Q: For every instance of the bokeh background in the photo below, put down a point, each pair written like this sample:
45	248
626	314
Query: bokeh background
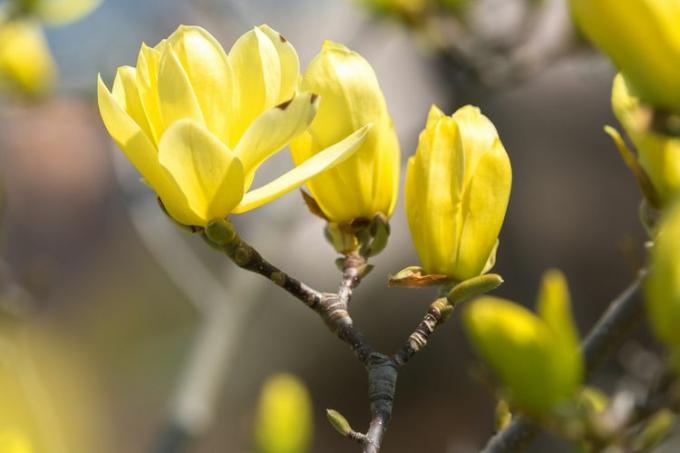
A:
129	302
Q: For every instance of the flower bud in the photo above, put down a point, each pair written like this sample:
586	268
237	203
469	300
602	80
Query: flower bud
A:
284	418
25	60
657	152
642	38
457	191
662	287
367	183
537	358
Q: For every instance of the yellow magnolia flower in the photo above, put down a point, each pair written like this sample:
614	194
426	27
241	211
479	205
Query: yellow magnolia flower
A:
61	12
457	191
25	60
284	417
662	287
366	184
642	38
658	154
197	123
537	358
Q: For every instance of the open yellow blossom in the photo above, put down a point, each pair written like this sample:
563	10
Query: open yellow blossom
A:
642	37
457	191
366	184
25	60
197	123
537	358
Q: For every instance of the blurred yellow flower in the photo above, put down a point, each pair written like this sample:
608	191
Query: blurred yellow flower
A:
49	400
658	154
14	441
642	37
366	184
537	358
197	123
662	288
61	12
284	417
457	191
25	60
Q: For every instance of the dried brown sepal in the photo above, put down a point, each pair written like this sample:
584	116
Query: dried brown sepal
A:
312	205
415	277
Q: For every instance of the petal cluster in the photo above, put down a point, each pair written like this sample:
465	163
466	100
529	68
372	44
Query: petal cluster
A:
642	38
537	358
367	183
457	191
197	122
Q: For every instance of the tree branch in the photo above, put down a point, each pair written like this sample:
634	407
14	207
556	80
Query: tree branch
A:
621	317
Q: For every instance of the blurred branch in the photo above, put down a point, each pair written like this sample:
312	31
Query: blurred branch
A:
622	316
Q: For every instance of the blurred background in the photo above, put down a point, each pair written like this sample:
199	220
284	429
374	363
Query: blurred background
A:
129	322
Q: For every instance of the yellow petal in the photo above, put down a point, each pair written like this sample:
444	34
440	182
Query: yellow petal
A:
206	170
274	129
643	40
176	95
207	67
433	197
148	63
125	84
140	151
290	63
662	288
554	307
60	12
485	201
296	177
257	74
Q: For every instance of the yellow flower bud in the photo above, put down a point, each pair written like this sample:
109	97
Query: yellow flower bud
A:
642	38
284	418
457	191
197	123
61	12
657	153
537	358
662	288
25	60
367	183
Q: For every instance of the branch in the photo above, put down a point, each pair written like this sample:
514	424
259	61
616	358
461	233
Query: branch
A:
622	316
333	309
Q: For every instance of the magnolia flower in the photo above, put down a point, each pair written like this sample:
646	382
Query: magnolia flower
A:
26	63
642	37
25	60
537	358
457	191
197	123
662	287
657	153
367	183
